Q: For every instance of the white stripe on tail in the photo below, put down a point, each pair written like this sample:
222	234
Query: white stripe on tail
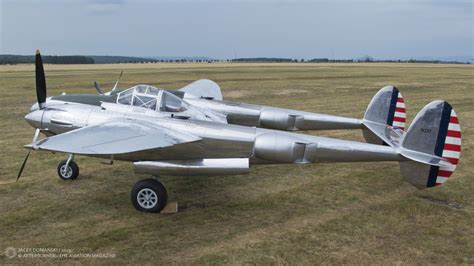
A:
451	150
400	113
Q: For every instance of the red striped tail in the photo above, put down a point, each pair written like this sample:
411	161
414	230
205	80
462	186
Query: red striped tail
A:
387	108
399	116
435	136
451	149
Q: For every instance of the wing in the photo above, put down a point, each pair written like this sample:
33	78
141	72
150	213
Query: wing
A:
113	137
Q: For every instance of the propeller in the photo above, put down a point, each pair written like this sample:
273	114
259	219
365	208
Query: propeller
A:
35	137
40	81
97	88
41	96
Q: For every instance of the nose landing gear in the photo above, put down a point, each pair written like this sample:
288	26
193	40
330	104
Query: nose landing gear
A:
68	169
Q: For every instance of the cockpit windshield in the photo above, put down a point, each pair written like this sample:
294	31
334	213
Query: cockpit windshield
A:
151	98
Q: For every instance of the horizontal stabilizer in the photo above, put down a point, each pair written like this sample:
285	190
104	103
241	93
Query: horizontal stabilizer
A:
392	136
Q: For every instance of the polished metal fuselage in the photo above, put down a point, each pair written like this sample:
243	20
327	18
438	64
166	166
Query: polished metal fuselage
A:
235	113
218	140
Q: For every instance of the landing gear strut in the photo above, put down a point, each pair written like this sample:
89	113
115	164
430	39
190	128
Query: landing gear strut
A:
68	169
149	195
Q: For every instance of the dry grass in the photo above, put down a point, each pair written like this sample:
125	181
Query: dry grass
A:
314	214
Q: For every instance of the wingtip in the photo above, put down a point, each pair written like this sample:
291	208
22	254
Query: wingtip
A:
30	146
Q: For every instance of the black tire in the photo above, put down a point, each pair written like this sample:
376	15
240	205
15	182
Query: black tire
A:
149	195
71	174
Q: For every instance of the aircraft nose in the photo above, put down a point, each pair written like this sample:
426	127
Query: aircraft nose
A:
34	118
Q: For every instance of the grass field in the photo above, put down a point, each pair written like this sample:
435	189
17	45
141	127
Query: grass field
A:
360	213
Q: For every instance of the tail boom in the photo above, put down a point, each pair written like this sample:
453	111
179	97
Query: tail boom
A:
285	147
291	120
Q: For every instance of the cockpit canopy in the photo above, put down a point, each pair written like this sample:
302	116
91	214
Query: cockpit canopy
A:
152	98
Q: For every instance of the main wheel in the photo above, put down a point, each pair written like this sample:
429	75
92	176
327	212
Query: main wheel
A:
149	195
69	173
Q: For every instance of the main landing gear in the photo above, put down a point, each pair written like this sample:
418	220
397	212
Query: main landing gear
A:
148	195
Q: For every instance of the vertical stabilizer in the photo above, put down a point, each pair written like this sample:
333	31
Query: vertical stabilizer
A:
436	132
386	108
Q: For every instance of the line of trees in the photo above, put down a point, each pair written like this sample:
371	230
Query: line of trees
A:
366	59
265	60
48	59
68	59
80	59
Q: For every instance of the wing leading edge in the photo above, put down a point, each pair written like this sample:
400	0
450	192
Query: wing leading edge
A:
113	137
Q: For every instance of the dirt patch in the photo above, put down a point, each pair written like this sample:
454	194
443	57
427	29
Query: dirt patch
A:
452	205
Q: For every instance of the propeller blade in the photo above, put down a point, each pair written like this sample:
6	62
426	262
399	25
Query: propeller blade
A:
116	83
23	165
40	80
35	137
97	88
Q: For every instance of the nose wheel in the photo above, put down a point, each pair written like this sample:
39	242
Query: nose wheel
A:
149	195
68	171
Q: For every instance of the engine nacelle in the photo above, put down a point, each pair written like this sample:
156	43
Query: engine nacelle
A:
277	119
280	148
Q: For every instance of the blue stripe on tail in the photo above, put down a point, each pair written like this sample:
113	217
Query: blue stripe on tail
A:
391	108
438	151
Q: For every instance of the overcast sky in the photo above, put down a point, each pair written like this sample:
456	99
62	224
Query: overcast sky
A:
224	29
